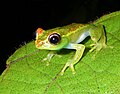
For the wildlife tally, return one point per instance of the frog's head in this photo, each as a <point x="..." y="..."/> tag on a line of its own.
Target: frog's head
<point x="50" y="40"/>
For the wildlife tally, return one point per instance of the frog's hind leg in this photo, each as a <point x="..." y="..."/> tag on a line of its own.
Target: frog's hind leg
<point x="97" y="35"/>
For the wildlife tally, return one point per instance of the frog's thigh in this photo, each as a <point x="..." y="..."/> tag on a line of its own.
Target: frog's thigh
<point x="79" y="52"/>
<point x="98" y="37"/>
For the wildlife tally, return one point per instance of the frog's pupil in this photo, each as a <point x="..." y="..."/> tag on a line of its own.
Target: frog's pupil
<point x="54" y="38"/>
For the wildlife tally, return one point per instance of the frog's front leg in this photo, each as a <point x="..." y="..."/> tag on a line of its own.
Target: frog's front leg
<point x="49" y="57"/>
<point x="78" y="55"/>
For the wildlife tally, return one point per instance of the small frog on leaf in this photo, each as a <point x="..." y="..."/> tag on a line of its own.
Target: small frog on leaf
<point x="70" y="37"/>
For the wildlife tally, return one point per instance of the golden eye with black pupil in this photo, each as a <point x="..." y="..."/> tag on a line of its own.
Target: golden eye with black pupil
<point x="54" y="38"/>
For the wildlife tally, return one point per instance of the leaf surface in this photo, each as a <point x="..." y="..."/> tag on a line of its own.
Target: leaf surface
<point x="27" y="74"/>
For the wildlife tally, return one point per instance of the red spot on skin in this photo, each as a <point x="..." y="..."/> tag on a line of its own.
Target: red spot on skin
<point x="39" y="30"/>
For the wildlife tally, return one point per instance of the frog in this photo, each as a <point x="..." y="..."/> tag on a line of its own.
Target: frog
<point x="70" y="37"/>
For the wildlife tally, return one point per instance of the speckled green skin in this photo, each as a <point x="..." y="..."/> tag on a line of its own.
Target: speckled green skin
<point x="71" y="35"/>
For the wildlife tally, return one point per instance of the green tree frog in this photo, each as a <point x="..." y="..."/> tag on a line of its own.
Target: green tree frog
<point x="70" y="37"/>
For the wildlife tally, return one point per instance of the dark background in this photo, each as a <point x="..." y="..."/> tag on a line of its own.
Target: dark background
<point x="20" y="19"/>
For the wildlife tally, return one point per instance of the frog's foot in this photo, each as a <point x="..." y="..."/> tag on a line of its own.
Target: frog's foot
<point x="66" y="66"/>
<point x="97" y="47"/>
<point x="49" y="57"/>
<point x="47" y="61"/>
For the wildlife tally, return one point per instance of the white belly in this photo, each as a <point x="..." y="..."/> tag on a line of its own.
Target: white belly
<point x="80" y="39"/>
<point x="83" y="36"/>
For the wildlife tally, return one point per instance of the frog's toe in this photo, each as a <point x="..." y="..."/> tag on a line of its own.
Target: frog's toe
<point x="72" y="68"/>
<point x="61" y="73"/>
<point x="47" y="61"/>
<point x="44" y="59"/>
<point x="96" y="47"/>
<point x="92" y="45"/>
<point x="92" y="49"/>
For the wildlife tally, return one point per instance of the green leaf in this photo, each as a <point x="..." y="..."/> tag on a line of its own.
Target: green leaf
<point x="27" y="74"/>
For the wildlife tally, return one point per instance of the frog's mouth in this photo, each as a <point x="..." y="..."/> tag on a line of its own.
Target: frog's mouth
<point x="42" y="44"/>
<point x="39" y="43"/>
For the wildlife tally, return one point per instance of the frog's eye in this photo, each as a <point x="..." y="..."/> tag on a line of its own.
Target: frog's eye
<point x="54" y="38"/>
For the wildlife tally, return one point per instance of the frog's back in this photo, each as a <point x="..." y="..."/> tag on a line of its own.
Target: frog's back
<point x="68" y="30"/>
<point x="76" y="32"/>
<point x="65" y="30"/>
